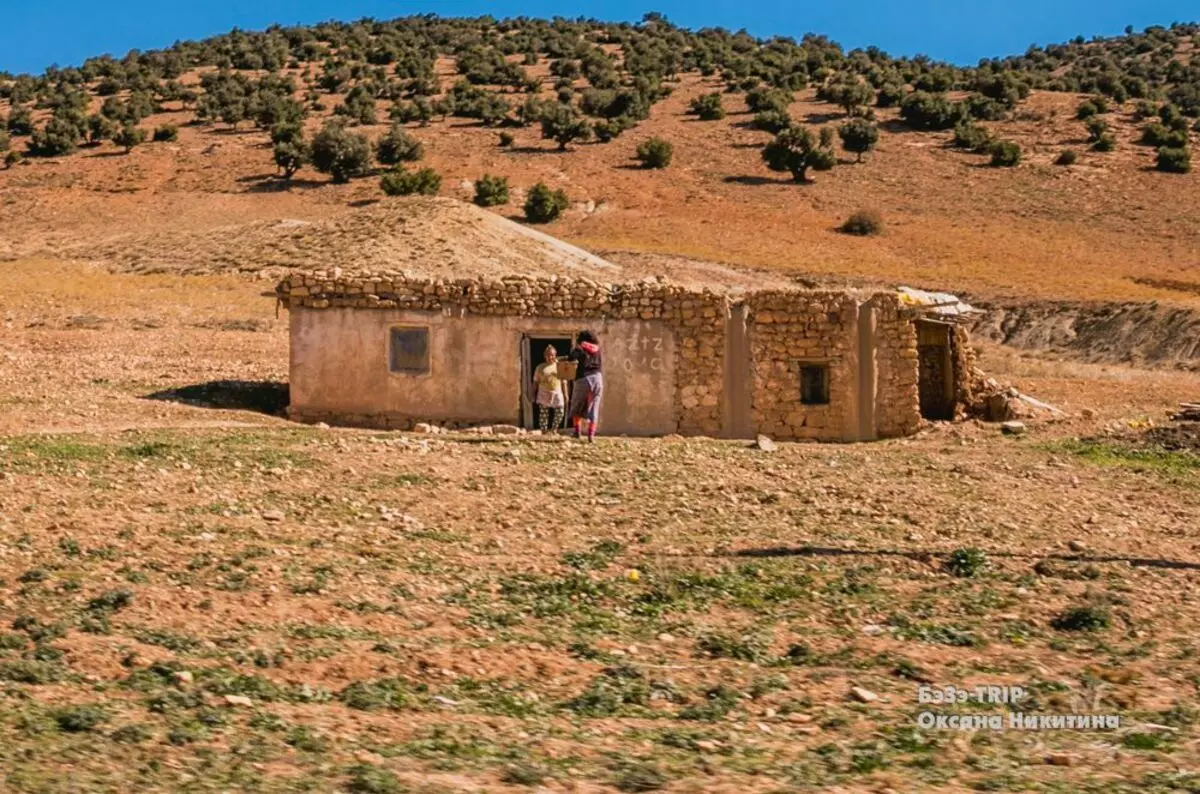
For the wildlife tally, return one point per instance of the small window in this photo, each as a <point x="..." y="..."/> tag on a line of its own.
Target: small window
<point x="814" y="384"/>
<point x="410" y="351"/>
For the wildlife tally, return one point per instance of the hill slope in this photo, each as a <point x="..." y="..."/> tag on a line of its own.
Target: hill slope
<point x="1108" y="227"/>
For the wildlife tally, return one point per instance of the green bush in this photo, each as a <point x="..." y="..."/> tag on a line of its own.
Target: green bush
<point x="54" y="139"/>
<point x="506" y="139"/>
<point x="563" y="124"/>
<point x="1087" y="618"/>
<point x="399" y="182"/>
<point x="491" y="191"/>
<point x="1068" y="157"/>
<point x="858" y="136"/>
<point x="397" y="146"/>
<point x="1005" y="154"/>
<point x="708" y="107"/>
<point x="79" y="719"/>
<point x="340" y="153"/>
<point x="890" y="95"/>
<point x="1174" y="160"/>
<point x="655" y="153"/>
<point x="369" y="779"/>
<point x="1086" y="110"/>
<point x="1160" y="135"/>
<point x="1096" y="127"/>
<point x="772" y="121"/>
<point x="795" y="150"/>
<point x="925" y="111"/>
<point x="1105" y="143"/>
<point x="767" y="100"/>
<point x="291" y="156"/>
<point x="5" y="140"/>
<point x="128" y="137"/>
<point x="20" y="121"/>
<point x="863" y="223"/>
<point x="166" y="133"/>
<point x="11" y="158"/>
<point x="966" y="562"/>
<point x="543" y="205"/>
<point x="970" y="136"/>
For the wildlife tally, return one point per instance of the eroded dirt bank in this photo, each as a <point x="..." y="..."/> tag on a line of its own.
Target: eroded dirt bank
<point x="1135" y="333"/>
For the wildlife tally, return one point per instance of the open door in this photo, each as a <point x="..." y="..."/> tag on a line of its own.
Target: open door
<point x="533" y="352"/>
<point x="935" y="385"/>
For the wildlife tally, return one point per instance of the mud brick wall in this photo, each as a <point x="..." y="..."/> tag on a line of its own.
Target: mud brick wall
<point x="898" y="407"/>
<point x="697" y="318"/>
<point x="787" y="330"/>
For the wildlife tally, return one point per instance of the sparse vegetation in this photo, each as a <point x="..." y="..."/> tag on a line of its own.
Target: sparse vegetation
<point x="402" y="182"/>
<point x="543" y="205"/>
<point x="491" y="191"/>
<point x="1005" y="154"/>
<point x="796" y="150"/>
<point x="858" y="136"/>
<point x="1174" y="160"/>
<point x="655" y="153"/>
<point x="1066" y="157"/>
<point x="863" y="223"/>
<point x="340" y="153"/>
<point x="397" y="146"/>
<point x="708" y="107"/>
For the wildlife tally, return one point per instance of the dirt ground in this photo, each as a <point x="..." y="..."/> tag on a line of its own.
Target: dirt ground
<point x="213" y="599"/>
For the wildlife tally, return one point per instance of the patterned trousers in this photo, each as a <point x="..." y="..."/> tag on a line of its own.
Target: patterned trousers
<point x="549" y="418"/>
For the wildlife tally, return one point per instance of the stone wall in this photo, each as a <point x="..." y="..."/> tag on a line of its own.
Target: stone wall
<point x="898" y="405"/>
<point x="785" y="330"/>
<point x="788" y="329"/>
<point x="696" y="317"/>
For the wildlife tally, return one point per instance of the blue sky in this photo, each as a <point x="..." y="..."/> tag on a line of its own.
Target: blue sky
<point x="34" y="35"/>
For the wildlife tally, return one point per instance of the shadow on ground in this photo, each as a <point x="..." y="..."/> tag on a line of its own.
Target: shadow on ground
<point x="264" y="397"/>
<point x="926" y="556"/>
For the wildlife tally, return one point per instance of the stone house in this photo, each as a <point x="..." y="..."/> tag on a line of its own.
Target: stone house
<point x="389" y="349"/>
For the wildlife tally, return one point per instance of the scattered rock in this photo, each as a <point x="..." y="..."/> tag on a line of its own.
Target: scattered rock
<point x="238" y="700"/>
<point x="1012" y="428"/>
<point x="184" y="677"/>
<point x="873" y="629"/>
<point x="1077" y="545"/>
<point x="765" y="444"/>
<point x="1060" y="759"/>
<point x="799" y="719"/>
<point x="863" y="695"/>
<point x="273" y="515"/>
<point x="506" y="430"/>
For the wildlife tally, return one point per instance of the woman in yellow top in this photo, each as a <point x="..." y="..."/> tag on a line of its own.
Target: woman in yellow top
<point x="549" y="397"/>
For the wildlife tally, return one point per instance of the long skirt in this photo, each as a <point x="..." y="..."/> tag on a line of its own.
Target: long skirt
<point x="586" y="396"/>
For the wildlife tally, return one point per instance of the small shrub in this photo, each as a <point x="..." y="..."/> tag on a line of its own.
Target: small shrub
<point x="1005" y="154"/>
<point x="543" y="205"/>
<point x="340" y="153"/>
<point x="1174" y="160"/>
<point x="167" y="133"/>
<point x="708" y="107"/>
<point x="772" y="121"/>
<point x="11" y="158"/>
<point x="523" y="774"/>
<point x="54" y="139"/>
<point x="399" y="182"/>
<point x="128" y="137"/>
<point x="397" y="146"/>
<point x="1096" y="127"/>
<point x="291" y="156"/>
<point x="491" y="191"/>
<point x="111" y="601"/>
<point x="79" y="719"/>
<point x="655" y="153"/>
<point x="506" y="139"/>
<point x="1105" y="143"/>
<point x="389" y="693"/>
<point x="1161" y="135"/>
<point x="858" y="136"/>
<point x="966" y="562"/>
<point x="863" y="223"/>
<point x="370" y="779"/>
<point x="970" y="136"/>
<point x="1088" y="618"/>
<point x="640" y="776"/>
<point x="1068" y="157"/>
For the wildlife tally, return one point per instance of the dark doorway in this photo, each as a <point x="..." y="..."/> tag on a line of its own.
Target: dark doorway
<point x="935" y="385"/>
<point x="533" y="355"/>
